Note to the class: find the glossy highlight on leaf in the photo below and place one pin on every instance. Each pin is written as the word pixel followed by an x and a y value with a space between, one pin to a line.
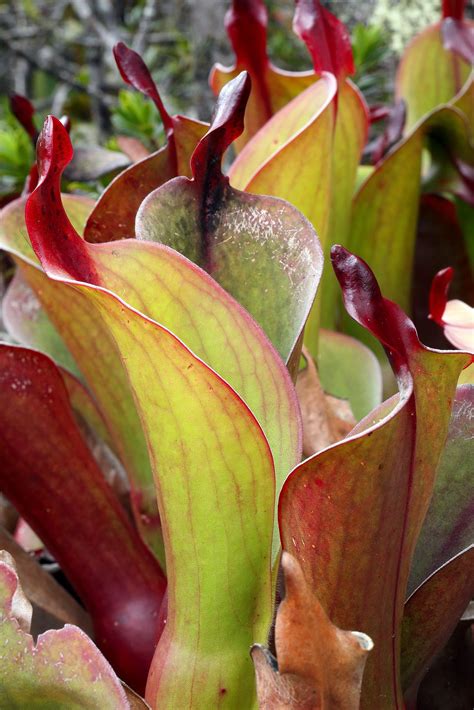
pixel 63 668
pixel 362 502
pixel 241 239
pixel 289 157
pixel 27 322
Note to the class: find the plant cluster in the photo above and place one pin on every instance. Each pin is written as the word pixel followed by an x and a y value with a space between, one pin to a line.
pixel 196 419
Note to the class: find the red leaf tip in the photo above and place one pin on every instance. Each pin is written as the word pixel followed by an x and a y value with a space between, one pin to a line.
pixel 326 37
pixel 56 243
pixel 226 125
pixel 246 25
pixel 364 302
pixel 454 9
pixel 54 149
pixel 135 72
pixel 23 110
pixel 439 294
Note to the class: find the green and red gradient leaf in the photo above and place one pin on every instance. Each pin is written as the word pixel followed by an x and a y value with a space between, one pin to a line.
pixel 63 669
pixel 260 249
pixel 289 158
pixel 113 217
pixel 75 513
pixel 358 506
pixel 214 478
pixel 329 45
pixel 272 88
pixel 309 156
pixel 385 209
pixel 433 70
pixel 166 287
pixel 326 37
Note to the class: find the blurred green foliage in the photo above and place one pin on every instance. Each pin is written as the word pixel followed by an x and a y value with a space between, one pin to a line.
pixel 16 154
pixel 137 116
pixel 372 55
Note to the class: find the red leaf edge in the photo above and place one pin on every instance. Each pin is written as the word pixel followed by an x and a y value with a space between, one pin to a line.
pixel 326 38
pixel 135 72
pixel 439 294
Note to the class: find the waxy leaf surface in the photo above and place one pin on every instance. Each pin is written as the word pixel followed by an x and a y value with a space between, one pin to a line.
pixel 359 505
pixel 429 75
pixel 113 216
pixel 272 88
pixel 308 154
pixel 85 528
pixel 62 670
pixel 260 249
pixel 168 288
pixel 215 484
pixel 289 158
pixel 317 666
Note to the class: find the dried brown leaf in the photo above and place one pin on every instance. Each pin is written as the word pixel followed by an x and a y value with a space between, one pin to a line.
pixel 51 603
pixel 326 419
pixel 135 701
pixel 319 666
